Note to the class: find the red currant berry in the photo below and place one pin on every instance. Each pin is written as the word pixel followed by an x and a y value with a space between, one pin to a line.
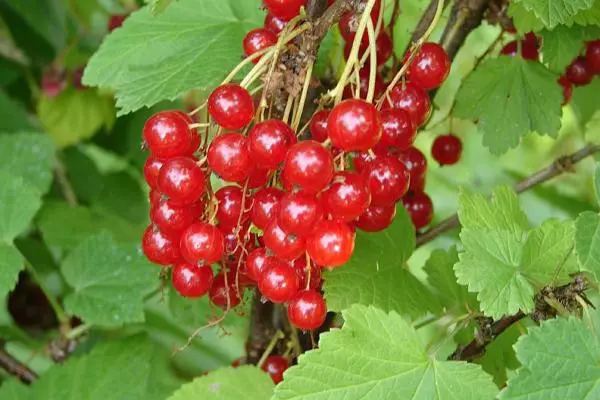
pixel 592 56
pixel 53 82
pixel 387 179
pixel 376 218
pixel 265 207
pixel 275 366
pixel 274 24
pixel 430 67
pixel 415 163
pixel 364 76
pixel 269 141
pixel 354 125
pixel 349 23
pixel 414 100
pixel 446 149
pixel 567 88
pixel 578 72
pixel 399 130
pixel 230 210
pixel 283 245
pixel 278 282
pixel 258 178
pixel 167 134
pixel 181 180
pixel 190 280
pixel 154 197
pixel 224 294
pixel 172 220
pixel 309 166
pixel 152 168
pixel 256 262
pixel 348 196
pixel 332 243
pixel 229 157
pixel 202 242
pixel 309 275
pixel 116 21
pixel 231 106
pixel 383 48
pixel 284 9
pixel 529 50
pixel 362 159
pixel 307 311
pixel 159 249
pixel 318 126
pixel 419 207
pixel 236 244
pixel 299 213
pixel 257 40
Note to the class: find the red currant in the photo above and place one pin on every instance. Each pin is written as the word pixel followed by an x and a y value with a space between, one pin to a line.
pixel 275 366
pixel 265 207
pixel 167 135
pixel 307 310
pixel 567 88
pixel 318 126
pixel 257 40
pixel 332 243
pixel 154 197
pixel 305 272
pixel 578 72
pixel 278 282
pixel 230 210
pixel 258 178
pixel 354 125
pixel 364 76
pixel 349 23
pixel 181 180
pixel 430 67
pixel 224 294
pixel 362 159
pixel 446 149
pixel 299 213
pixel 414 100
pixel 529 50
pixel 235 244
pixel 387 179
pixel 116 21
pixel 347 197
pixel 231 106
pixel 269 141
pixel 274 24
pixel 399 130
pixel 416 165
pixel 284 9
pixel 376 218
pixel 592 56
pixel 285 246
pixel 172 220
pixel 419 207
pixel 202 242
pixel 229 157
pixel 159 249
pixel 309 166
pixel 152 168
pixel 383 48
pixel 191 280
pixel 256 262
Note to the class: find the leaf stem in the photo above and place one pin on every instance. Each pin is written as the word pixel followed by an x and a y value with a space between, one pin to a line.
pixel 63 319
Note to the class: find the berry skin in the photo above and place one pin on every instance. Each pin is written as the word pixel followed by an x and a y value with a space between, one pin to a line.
pixel 309 166
pixel 192 280
pixel 181 180
pixel 256 263
pixel 265 207
pixel 332 243
pixel 529 50
pixel 383 48
pixel 430 67
pixel 236 244
pixel 303 271
pixel 258 178
pixel 354 125
pixel 257 40
pixel 416 165
pixel 347 197
pixel 167 135
pixel 419 207
pixel 446 149
pixel 414 100
pixel 275 366
pixel 284 9
pixel 231 106
pixel 274 24
pixel 376 218
pixel 578 72
pixel 307 311
pixel 172 220
pixel 152 168
pixel 154 197
pixel 592 56
pixel 229 209
pixel 269 141
pixel 567 88
pixel 364 76
pixel 115 21
pixel 399 130
pixel 387 179
pixel 279 281
pixel 229 157
pixel 159 249
pixel 285 246
pixel 299 213
pixel 318 126
pixel 222 293
pixel 202 242
pixel 349 23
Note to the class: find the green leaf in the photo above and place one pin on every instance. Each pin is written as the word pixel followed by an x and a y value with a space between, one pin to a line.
pixel 12 389
pixel 18 204
pixel 510 97
pixel 11 263
pixel 47 18
pixel 376 274
pixel 245 382
pixel 122 195
pixel 109 282
pixel 597 182
pixel 158 6
pixel 561 45
pixel 499 356
pixel 523 19
pixel 153 58
pixel 555 12
pixel 441 277
pixel 587 242
pixel 379 356
pixel 591 16
pixel 560 360
pixel 29 156
pixel 586 101
pixel 13 117
pixel 75 115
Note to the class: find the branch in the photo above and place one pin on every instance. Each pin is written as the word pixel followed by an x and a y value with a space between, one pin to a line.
pixel 426 20
pixel 466 15
pixel 15 368
pixel 558 167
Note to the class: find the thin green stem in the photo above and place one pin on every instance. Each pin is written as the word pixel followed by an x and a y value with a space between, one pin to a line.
pixel 373 54
pixel 307 78
pixel 278 336
pixel 78 331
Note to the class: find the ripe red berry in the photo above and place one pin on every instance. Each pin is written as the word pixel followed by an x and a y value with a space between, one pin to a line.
pixel 362 159
pixel 230 210
pixel 416 165
pixel 332 243
pixel 414 100
pixel 285 246
pixel 309 166
pixel 224 294
pixel 152 168
pixel 284 9
pixel 190 280
pixel 53 82
pixel 592 56
pixel 278 282
pixel 419 207
pixel 387 180
pixel 229 157
pixel 529 50
pixel 383 48
pixel 354 125
pixel 269 141
pixel 159 249
pixel 265 207
pixel 181 180
pixel 202 242
pixel 307 310
pixel 116 21
pixel 231 106
pixel 446 149
pixel 347 197
pixel 258 178
pixel 257 40
pixel 567 88
pixel 274 24
pixel 399 130
pixel 172 219
pixel 349 23
pixel 275 366
pixel 364 76
pixel 309 275
pixel 318 126
pixel 430 67
pixel 236 244
pixel 578 72
pixel 154 197
pixel 256 263
pixel 299 213
pixel 167 135
pixel 376 218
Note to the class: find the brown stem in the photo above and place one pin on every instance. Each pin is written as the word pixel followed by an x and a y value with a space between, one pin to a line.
pixel 426 20
pixel 465 16
pixel 65 185
pixel 558 167
pixel 15 368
